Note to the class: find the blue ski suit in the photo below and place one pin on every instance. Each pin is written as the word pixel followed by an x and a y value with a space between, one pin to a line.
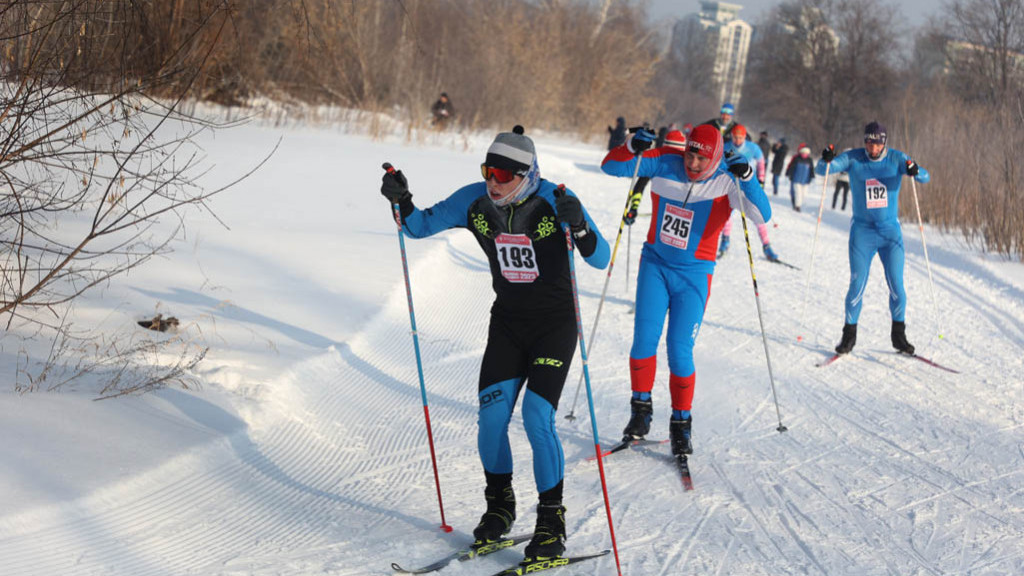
pixel 532 333
pixel 678 259
pixel 875 227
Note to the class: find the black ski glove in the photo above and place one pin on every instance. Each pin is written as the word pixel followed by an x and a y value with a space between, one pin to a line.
pixel 742 170
pixel 828 154
pixel 912 168
pixel 570 212
pixel 642 139
pixel 395 187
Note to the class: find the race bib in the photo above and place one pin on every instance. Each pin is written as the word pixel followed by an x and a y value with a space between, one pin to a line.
pixel 877 194
pixel 675 226
pixel 516 258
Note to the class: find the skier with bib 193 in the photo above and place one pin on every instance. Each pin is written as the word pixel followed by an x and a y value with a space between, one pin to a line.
pixel 751 152
pixel 692 195
pixel 515 218
pixel 876 173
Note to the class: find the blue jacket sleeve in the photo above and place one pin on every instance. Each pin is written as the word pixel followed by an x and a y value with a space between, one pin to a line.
pixel 448 213
pixel 621 162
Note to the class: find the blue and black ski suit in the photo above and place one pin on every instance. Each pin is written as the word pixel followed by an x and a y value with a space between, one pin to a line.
pixel 532 335
pixel 875 227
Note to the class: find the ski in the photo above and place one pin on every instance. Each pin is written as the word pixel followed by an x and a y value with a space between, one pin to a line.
pixel 829 360
pixel 625 444
pixel 683 463
pixel 464 554
pixel 928 362
pixel 547 564
pixel 786 264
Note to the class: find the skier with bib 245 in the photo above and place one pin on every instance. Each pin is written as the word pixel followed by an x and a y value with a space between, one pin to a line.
pixel 692 195
pixel 876 173
pixel 515 217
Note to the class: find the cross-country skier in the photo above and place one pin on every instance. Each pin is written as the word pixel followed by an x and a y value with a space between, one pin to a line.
pixel 725 121
pixel 692 195
pixel 739 144
pixel 515 217
pixel 876 173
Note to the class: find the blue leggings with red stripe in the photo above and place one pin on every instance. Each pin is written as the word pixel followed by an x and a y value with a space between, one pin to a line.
pixel 683 295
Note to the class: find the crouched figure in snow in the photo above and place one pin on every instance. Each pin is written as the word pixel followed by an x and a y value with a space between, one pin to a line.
pixel 516 218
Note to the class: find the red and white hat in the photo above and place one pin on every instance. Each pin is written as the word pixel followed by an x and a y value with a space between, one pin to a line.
pixel 675 139
pixel 705 140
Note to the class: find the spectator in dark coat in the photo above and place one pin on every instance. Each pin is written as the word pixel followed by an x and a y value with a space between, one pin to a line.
pixel 764 145
pixel 800 173
pixel 442 110
pixel 617 135
pixel 779 151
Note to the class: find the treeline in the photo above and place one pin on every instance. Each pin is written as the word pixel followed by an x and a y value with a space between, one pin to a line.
pixel 818 70
pixel 568 65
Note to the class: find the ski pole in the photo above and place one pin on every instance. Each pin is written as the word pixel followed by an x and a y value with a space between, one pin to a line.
pixel 927 262
pixel 760 315
pixel 571 416
pixel 814 244
pixel 416 344
pixel 560 191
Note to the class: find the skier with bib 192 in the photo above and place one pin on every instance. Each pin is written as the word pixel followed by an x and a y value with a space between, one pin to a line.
pixel 692 195
pixel 515 218
pixel 876 173
pixel 751 152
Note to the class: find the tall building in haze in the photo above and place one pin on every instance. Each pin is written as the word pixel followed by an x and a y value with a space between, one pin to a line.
pixel 717 28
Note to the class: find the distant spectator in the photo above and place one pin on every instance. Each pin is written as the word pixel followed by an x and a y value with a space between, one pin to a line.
pixel 764 145
pixel 725 122
pixel 800 173
pixel 442 110
pixel 779 151
pixel 842 184
pixel 617 135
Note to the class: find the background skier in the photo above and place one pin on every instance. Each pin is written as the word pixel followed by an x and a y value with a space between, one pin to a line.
pixel 876 173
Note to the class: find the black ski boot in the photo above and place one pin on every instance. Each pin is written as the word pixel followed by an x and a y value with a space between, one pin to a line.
pixel 849 339
pixel 679 434
pixel 500 514
pixel 899 339
pixel 549 536
pixel 639 420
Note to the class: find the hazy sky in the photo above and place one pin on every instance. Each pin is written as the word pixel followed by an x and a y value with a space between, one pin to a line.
pixel 915 11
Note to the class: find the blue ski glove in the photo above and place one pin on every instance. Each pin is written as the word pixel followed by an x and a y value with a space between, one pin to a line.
pixel 642 140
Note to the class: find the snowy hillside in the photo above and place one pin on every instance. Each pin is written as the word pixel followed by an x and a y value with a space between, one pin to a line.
pixel 305 451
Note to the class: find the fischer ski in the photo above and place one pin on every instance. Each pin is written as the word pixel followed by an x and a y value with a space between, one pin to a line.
pixel 547 564
pixel 626 444
pixel 683 463
pixel 928 362
pixel 830 360
pixel 473 551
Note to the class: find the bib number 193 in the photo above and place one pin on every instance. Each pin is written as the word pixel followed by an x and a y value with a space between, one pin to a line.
pixel 516 258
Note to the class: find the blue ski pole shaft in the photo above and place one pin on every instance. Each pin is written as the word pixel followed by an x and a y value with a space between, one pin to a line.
pixel 396 210
pixel 586 375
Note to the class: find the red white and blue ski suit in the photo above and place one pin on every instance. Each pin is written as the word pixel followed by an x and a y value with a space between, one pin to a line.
pixel 678 259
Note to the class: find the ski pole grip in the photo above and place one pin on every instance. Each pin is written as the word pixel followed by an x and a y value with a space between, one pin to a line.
pixel 560 191
pixel 388 168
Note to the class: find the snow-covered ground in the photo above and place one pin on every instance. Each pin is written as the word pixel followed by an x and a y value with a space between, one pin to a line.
pixel 305 450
